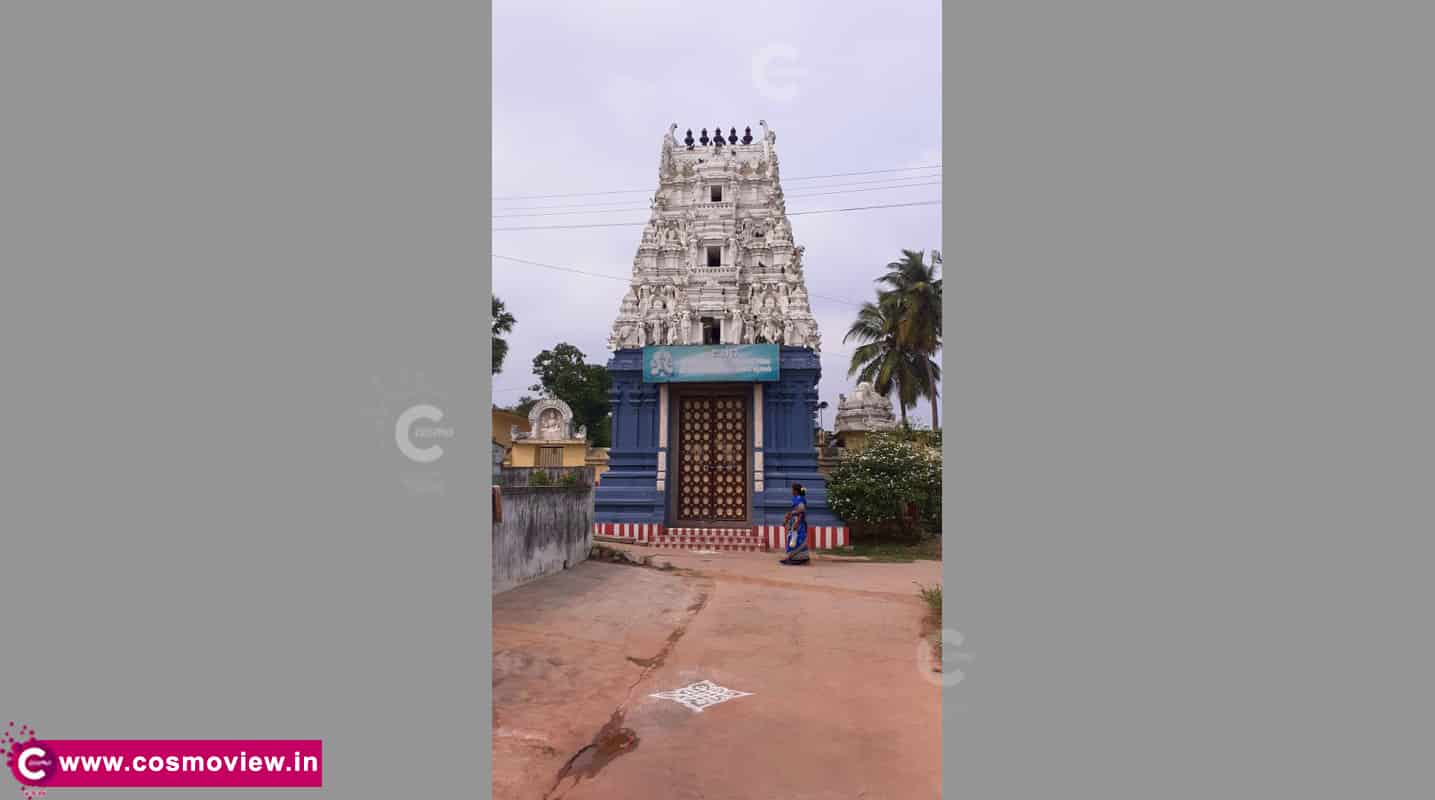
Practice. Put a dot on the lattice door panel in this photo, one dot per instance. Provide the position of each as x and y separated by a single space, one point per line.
694 480
712 459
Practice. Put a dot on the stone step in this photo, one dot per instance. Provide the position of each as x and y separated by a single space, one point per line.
754 547
672 533
742 540
753 540
759 537
681 533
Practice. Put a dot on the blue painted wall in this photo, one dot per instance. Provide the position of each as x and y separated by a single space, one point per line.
628 492
789 454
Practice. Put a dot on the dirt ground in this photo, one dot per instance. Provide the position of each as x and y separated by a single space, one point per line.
839 704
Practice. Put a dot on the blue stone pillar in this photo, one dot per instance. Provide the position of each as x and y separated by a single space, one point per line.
628 491
789 452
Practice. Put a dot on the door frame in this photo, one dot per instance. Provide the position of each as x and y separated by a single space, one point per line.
676 392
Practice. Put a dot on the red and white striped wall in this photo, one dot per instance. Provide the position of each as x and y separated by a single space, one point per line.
758 537
639 532
819 537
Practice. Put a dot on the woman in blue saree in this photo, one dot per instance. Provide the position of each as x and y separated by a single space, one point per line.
796 524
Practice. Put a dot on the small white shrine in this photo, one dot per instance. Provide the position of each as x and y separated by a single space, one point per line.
863 413
550 440
550 420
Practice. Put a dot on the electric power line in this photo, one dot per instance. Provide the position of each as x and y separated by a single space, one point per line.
633 191
867 172
559 227
640 224
872 189
865 208
615 203
791 196
612 277
573 270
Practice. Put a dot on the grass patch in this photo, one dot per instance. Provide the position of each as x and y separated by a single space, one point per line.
932 596
899 552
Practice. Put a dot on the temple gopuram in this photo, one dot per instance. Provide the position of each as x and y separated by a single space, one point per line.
715 360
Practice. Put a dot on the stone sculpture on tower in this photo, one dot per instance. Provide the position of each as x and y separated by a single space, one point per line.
717 224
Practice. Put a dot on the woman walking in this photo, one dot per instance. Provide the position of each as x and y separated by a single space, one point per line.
796 523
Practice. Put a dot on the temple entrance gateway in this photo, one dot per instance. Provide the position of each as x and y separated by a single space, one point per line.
711 459
715 362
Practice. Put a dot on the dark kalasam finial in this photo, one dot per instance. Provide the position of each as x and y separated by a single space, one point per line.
732 136
689 140
746 136
717 137
704 138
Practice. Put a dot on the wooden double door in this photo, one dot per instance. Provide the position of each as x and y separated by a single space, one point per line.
712 458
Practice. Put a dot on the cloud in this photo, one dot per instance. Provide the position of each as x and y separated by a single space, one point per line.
583 93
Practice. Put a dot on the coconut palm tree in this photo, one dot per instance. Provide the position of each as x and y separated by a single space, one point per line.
502 323
916 291
882 360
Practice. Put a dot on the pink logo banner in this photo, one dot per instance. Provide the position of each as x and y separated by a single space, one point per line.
165 763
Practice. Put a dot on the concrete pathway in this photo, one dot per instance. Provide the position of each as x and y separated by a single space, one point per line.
838 704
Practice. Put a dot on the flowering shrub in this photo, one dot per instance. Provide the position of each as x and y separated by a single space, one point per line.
876 486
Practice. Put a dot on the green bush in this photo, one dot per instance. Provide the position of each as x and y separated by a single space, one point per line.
540 478
875 486
568 479
919 435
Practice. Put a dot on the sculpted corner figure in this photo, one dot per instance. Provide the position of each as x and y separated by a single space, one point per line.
735 325
665 161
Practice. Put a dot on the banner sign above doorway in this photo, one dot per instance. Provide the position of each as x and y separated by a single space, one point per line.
717 363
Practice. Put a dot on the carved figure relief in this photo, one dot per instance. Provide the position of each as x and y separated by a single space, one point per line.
757 301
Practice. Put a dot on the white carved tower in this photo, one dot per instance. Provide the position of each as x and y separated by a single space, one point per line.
716 263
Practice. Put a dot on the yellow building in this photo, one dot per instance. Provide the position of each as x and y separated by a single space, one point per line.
548 454
504 421
598 460
545 438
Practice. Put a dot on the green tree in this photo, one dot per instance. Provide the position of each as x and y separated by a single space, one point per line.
524 405
915 292
503 323
879 485
881 357
564 373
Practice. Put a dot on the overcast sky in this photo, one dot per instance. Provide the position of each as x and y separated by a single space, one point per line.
584 92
